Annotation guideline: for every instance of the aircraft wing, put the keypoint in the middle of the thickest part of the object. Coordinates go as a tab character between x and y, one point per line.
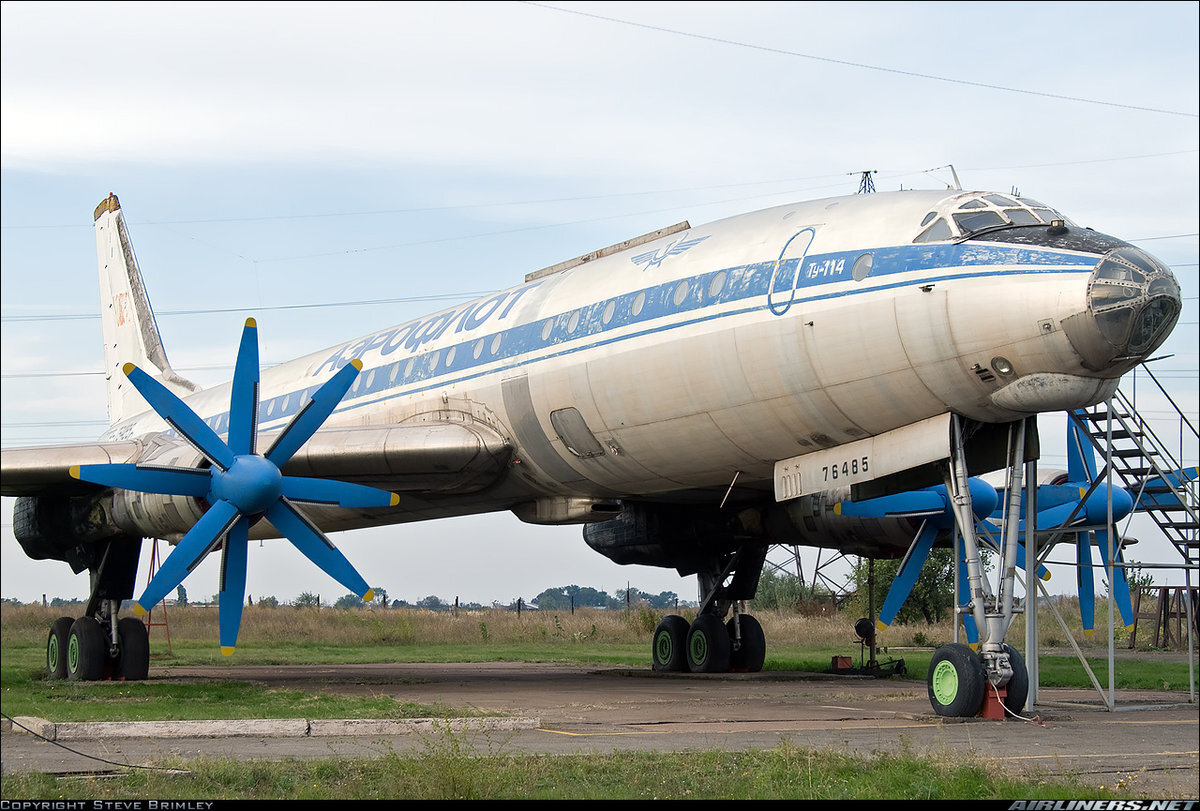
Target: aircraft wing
440	457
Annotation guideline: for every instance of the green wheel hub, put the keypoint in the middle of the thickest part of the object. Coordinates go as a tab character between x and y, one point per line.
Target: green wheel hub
73	654
663	647
53	653
945	682
698	647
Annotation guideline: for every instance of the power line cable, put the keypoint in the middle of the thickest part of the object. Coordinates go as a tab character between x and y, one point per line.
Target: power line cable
847	63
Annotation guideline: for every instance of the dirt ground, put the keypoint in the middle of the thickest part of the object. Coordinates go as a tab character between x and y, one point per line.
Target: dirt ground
1150	744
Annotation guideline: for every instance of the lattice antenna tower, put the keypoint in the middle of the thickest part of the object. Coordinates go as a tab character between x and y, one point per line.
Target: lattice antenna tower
867	185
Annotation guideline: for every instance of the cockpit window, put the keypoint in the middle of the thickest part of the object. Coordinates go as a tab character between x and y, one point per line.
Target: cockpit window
937	232
976	220
964	215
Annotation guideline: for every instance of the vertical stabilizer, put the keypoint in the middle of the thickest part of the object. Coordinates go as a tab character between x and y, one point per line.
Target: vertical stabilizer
130	331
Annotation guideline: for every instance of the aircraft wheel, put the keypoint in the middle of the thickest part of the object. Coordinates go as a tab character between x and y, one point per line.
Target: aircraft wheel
56	648
1018	685
708	645
956	681
753	651
669	647
87	650
133	659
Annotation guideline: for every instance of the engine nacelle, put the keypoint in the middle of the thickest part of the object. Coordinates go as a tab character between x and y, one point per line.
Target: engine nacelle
681	537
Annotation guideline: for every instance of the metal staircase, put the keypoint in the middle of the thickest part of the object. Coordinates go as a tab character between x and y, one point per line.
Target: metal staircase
1147	468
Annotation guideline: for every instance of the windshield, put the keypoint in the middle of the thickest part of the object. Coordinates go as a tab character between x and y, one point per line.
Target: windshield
966	214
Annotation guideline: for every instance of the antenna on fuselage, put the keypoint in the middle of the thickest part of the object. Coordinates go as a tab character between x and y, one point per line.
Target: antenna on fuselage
866	185
950	166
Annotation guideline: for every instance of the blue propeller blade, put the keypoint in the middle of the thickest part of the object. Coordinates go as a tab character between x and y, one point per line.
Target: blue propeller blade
313	544
1086	581
180	417
243	399
242	486
1119	584
912	504
232	595
314	413
201	539
168	481
1174	480
331	491
906	578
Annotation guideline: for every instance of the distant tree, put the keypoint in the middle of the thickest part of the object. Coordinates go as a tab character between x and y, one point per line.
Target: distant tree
663	600
931	598
349	601
381	597
433	604
269	602
307	599
181	595
553	600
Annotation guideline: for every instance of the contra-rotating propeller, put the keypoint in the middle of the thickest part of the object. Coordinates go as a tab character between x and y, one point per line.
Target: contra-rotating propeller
242	486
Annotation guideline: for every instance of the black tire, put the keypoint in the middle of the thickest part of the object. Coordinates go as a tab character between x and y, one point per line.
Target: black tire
669	645
956	681
1018	685
749	657
56	648
133	643
708	645
87	650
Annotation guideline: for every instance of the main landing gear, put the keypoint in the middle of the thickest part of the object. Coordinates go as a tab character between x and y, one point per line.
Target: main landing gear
994	682
709	644
98	645
93	649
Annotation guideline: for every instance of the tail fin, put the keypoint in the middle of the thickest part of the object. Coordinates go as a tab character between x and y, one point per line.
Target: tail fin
130	331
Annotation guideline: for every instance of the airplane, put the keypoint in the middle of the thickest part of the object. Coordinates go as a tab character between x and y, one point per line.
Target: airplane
691	397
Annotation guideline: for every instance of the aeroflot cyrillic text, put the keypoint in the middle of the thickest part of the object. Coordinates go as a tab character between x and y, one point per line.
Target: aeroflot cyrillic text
413	335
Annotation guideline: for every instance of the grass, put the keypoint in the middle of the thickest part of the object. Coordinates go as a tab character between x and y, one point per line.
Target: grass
446	764
288	635
447	767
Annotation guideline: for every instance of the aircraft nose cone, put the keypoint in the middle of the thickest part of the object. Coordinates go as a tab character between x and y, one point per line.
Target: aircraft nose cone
1133	302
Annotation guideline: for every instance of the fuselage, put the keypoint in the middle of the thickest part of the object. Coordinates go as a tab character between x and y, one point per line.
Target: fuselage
677	365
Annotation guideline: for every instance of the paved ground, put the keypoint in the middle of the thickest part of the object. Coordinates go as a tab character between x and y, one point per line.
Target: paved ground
1152	740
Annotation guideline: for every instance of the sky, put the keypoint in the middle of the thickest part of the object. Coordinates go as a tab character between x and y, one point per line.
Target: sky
332	170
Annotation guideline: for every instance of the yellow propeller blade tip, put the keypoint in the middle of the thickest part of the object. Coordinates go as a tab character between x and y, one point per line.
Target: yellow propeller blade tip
973	646
1129	629
250	322
395	498
227	650
837	508
127	368
880	625
1046	576
74	471
1088	631
369	596
357	364
138	610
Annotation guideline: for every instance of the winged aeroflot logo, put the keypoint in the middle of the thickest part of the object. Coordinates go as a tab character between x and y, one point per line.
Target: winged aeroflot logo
653	259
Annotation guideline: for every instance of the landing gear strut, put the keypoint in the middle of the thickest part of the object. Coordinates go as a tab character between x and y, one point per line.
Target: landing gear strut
993	682
98	645
709	644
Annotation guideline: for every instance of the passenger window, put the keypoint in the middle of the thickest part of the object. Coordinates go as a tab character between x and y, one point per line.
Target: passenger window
862	267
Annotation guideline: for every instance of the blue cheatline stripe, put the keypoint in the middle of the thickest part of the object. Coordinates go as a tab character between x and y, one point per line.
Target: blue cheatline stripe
651	306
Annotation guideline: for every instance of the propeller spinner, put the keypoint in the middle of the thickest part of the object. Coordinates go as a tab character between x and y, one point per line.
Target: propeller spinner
242	486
